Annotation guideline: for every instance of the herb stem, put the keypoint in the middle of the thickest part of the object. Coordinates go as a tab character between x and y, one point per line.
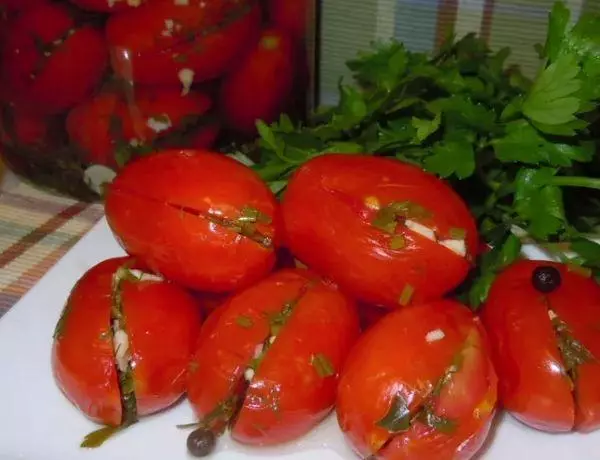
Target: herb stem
586	182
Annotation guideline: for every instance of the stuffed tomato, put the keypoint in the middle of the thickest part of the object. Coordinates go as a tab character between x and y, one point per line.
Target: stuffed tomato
198	218
542	319
122	345
49	61
268	361
167	42
385	231
109	125
419	385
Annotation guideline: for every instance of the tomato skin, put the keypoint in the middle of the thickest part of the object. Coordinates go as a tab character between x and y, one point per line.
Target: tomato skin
261	85
371	380
291	16
19	5
65	77
105	6
160	313
143	208
155	55
287	397
90	124
533	385
328	227
83	359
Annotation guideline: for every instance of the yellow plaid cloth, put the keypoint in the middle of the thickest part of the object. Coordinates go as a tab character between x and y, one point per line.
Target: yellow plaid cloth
36	230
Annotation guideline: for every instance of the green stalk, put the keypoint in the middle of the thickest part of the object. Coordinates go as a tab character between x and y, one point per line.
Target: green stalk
585	182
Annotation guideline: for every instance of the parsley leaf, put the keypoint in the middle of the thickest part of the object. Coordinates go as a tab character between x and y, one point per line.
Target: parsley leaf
425	127
452	157
553	99
539	203
523	143
557	26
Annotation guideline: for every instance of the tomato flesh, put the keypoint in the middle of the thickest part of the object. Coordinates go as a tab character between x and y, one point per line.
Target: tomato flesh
535	386
443	369
286	396
162	209
329	208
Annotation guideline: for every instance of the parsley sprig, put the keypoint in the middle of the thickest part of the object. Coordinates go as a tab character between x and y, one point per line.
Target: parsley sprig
521	152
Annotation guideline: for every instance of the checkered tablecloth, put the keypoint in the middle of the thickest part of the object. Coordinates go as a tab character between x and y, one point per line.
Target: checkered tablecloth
36	230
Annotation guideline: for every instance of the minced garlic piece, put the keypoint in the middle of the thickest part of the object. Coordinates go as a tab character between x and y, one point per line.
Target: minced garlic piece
435	335
457	246
159	124
420	229
186	77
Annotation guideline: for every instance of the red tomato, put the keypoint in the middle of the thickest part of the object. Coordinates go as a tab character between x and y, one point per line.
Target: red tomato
49	62
19	5
261	85
273	351
20	128
155	42
89	353
378	227
434	399
546	346
201	219
108	6
293	16
107	121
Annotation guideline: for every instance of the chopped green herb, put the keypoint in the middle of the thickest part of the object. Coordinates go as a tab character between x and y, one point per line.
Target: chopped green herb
97	438
583	271
458	233
397	242
244	321
322	365
253	215
385	220
573	352
406	295
398	418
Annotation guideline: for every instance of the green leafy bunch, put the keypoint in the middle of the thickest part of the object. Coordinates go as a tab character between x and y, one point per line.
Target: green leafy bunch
521	152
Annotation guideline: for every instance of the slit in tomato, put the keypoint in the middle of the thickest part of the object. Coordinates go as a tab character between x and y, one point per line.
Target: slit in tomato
574	355
226	413
455	393
122	360
250	223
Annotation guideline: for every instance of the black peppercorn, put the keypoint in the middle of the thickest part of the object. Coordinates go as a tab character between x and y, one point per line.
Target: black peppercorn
201	442
546	278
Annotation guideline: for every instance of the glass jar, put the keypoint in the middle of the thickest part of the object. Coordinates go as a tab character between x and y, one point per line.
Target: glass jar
88	85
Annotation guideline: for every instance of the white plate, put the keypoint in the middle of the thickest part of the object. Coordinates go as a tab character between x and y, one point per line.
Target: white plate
37	422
